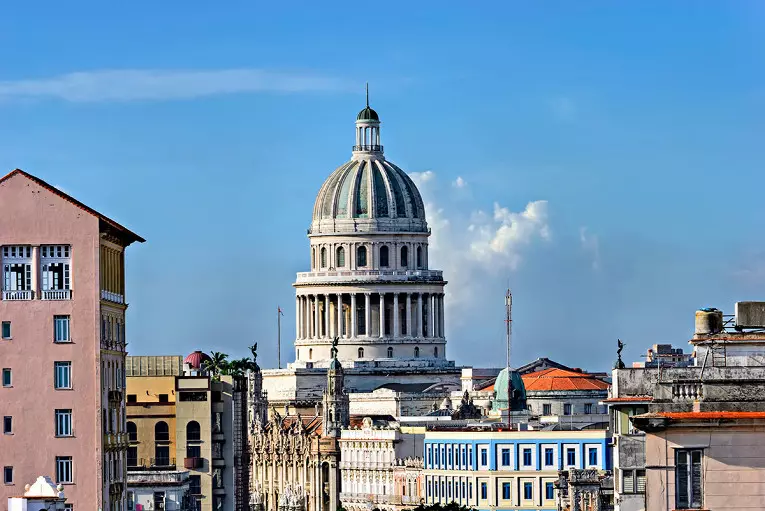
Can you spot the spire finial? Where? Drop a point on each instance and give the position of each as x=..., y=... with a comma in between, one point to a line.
x=367, y=94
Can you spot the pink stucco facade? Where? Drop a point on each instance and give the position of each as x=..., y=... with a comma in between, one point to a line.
x=34, y=215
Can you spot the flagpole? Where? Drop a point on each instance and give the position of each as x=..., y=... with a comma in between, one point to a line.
x=279, y=336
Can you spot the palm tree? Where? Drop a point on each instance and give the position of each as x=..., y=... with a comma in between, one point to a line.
x=217, y=364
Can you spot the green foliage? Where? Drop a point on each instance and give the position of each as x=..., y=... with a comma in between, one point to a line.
x=217, y=365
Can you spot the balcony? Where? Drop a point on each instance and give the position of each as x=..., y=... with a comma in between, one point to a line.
x=193, y=463
x=157, y=477
x=116, y=441
x=14, y=296
x=56, y=294
x=162, y=463
x=371, y=275
x=112, y=297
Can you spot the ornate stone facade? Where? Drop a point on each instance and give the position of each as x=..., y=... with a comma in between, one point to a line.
x=295, y=459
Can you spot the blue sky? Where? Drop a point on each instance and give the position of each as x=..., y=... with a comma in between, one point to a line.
x=630, y=135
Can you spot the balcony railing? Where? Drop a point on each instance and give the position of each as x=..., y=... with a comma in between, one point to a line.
x=374, y=275
x=368, y=147
x=56, y=294
x=162, y=462
x=25, y=294
x=691, y=391
x=192, y=463
x=112, y=297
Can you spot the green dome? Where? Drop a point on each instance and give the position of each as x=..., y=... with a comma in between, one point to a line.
x=518, y=398
x=368, y=115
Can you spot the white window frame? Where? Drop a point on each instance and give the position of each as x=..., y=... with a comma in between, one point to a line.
x=62, y=328
x=64, y=470
x=543, y=460
x=63, y=423
x=521, y=462
x=483, y=448
x=12, y=255
x=62, y=375
x=55, y=254
x=577, y=454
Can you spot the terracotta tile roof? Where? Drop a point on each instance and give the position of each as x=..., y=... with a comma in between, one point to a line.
x=561, y=379
x=127, y=233
x=712, y=415
x=628, y=399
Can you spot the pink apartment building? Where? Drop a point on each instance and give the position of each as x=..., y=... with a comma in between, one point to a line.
x=62, y=345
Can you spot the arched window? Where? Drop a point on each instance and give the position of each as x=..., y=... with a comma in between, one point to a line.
x=390, y=352
x=404, y=257
x=193, y=433
x=161, y=432
x=384, y=256
x=310, y=353
x=313, y=258
x=435, y=351
x=361, y=352
x=323, y=257
x=361, y=256
x=340, y=257
x=132, y=432
x=416, y=352
x=419, y=257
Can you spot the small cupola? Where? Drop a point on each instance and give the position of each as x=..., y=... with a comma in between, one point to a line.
x=367, y=130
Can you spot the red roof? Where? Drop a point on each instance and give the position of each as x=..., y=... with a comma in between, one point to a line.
x=628, y=399
x=194, y=360
x=712, y=415
x=127, y=233
x=561, y=379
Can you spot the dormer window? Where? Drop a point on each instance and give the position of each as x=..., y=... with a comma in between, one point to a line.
x=17, y=272
x=55, y=263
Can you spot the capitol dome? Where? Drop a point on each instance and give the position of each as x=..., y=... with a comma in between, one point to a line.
x=368, y=193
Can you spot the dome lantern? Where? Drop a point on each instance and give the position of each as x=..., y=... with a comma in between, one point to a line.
x=367, y=130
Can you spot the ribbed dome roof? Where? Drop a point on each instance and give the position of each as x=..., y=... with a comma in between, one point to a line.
x=368, y=114
x=374, y=189
x=196, y=359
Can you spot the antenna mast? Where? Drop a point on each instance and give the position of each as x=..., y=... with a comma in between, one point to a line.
x=509, y=325
x=279, y=336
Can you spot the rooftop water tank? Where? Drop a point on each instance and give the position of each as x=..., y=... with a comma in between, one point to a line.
x=709, y=321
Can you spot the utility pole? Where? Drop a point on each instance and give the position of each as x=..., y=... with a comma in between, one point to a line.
x=509, y=325
x=279, y=315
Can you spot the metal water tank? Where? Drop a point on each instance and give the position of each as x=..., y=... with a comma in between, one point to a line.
x=709, y=321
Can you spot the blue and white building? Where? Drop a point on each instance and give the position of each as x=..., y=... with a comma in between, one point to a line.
x=507, y=470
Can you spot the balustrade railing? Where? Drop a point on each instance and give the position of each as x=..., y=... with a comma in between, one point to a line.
x=25, y=294
x=374, y=274
x=112, y=297
x=368, y=147
x=687, y=391
x=56, y=294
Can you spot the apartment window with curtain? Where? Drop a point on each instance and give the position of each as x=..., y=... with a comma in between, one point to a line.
x=61, y=329
x=688, y=480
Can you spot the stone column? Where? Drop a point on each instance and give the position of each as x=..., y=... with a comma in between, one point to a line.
x=408, y=315
x=431, y=315
x=326, y=316
x=442, y=316
x=297, y=317
x=419, y=314
x=333, y=486
x=315, y=318
x=340, y=316
x=382, y=315
x=353, y=315
x=395, y=315
x=307, y=322
x=368, y=314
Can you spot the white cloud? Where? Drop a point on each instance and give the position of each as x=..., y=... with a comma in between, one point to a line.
x=591, y=245
x=563, y=108
x=161, y=84
x=459, y=182
x=473, y=248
